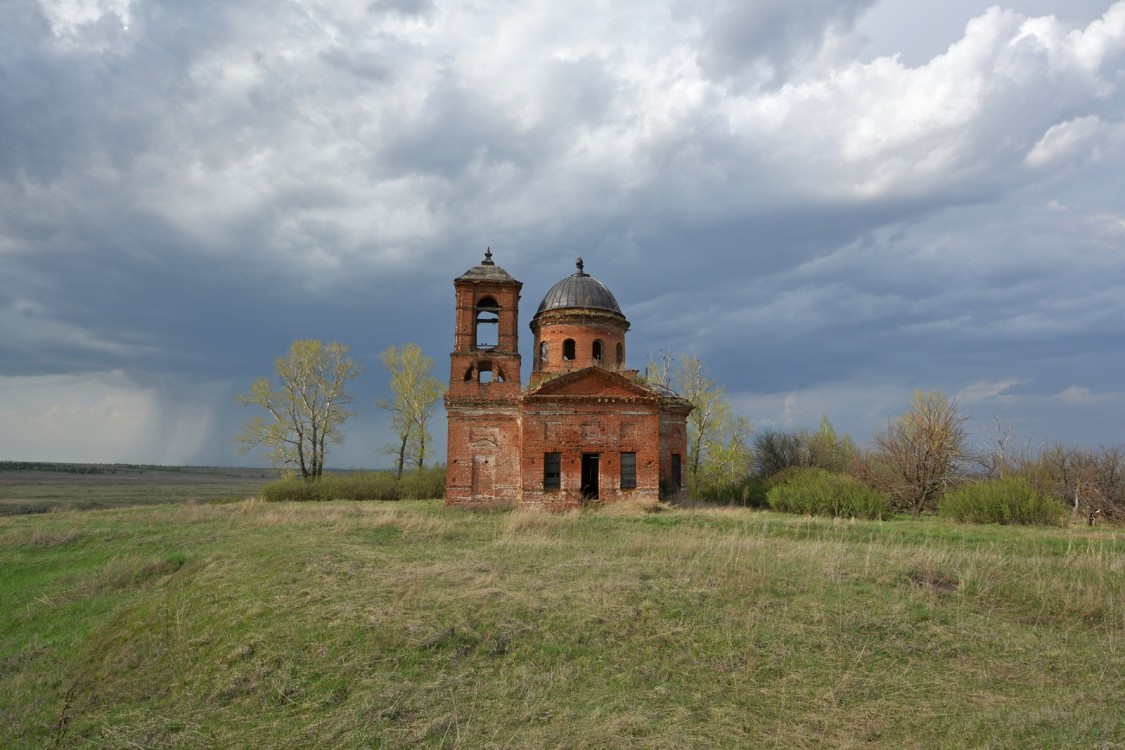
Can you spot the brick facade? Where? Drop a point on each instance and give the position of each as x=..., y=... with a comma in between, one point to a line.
x=586, y=430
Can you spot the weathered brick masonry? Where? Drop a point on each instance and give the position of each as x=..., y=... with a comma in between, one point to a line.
x=587, y=429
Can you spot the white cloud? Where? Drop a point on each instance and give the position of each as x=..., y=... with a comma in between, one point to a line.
x=984, y=389
x=69, y=18
x=1064, y=141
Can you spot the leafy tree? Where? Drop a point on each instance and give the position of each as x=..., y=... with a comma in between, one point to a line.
x=718, y=441
x=920, y=450
x=305, y=405
x=725, y=471
x=416, y=391
x=710, y=418
x=829, y=451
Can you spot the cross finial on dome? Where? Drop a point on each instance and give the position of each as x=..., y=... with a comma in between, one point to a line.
x=488, y=257
x=580, y=264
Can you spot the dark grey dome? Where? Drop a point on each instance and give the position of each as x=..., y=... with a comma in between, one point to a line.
x=579, y=290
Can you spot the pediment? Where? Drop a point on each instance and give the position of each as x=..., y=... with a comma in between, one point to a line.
x=594, y=381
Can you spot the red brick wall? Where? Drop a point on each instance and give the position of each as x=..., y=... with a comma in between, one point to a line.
x=483, y=456
x=573, y=425
x=554, y=327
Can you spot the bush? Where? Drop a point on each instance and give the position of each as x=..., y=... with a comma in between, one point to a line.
x=823, y=493
x=421, y=484
x=1005, y=501
x=749, y=492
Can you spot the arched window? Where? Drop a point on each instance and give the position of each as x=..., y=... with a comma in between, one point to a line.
x=620, y=354
x=484, y=370
x=487, y=316
x=544, y=350
x=568, y=350
x=597, y=350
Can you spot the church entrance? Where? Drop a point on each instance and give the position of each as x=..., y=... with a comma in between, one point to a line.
x=589, y=476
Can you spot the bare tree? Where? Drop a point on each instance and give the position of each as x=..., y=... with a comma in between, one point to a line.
x=921, y=450
x=776, y=450
x=660, y=373
x=1085, y=478
x=416, y=392
x=305, y=406
x=999, y=457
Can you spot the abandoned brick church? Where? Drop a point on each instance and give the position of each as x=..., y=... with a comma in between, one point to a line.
x=587, y=429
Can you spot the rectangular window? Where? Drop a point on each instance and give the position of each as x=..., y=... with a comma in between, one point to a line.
x=677, y=477
x=628, y=471
x=552, y=471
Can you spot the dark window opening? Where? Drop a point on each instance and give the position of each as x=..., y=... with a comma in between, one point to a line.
x=597, y=350
x=568, y=350
x=487, y=372
x=628, y=471
x=469, y=375
x=620, y=355
x=677, y=478
x=543, y=352
x=552, y=471
x=487, y=315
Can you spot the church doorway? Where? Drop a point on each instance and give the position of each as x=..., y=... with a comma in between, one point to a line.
x=589, y=476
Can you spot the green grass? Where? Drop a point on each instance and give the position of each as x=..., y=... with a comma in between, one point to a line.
x=411, y=625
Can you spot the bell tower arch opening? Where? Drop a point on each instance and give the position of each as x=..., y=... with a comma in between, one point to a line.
x=486, y=324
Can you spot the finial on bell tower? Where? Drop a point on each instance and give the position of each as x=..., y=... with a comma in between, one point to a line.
x=488, y=257
x=580, y=265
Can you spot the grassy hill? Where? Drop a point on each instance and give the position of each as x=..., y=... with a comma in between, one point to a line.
x=410, y=625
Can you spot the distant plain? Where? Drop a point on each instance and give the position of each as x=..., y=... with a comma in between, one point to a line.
x=27, y=487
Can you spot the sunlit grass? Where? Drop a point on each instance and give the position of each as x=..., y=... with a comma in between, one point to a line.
x=409, y=624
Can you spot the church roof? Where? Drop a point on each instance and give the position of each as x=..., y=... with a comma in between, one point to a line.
x=579, y=290
x=486, y=270
x=597, y=382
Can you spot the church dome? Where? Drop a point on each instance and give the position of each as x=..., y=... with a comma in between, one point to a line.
x=486, y=270
x=579, y=290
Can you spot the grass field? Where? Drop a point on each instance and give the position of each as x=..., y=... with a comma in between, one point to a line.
x=411, y=625
x=37, y=488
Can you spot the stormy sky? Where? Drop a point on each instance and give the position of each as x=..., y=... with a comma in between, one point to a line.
x=833, y=203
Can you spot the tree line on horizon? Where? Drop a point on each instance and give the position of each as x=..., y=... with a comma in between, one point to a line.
x=921, y=462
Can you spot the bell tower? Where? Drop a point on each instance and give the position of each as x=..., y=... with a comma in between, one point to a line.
x=483, y=399
x=485, y=362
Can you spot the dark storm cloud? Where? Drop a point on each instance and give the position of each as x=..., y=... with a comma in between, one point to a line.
x=767, y=41
x=186, y=188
